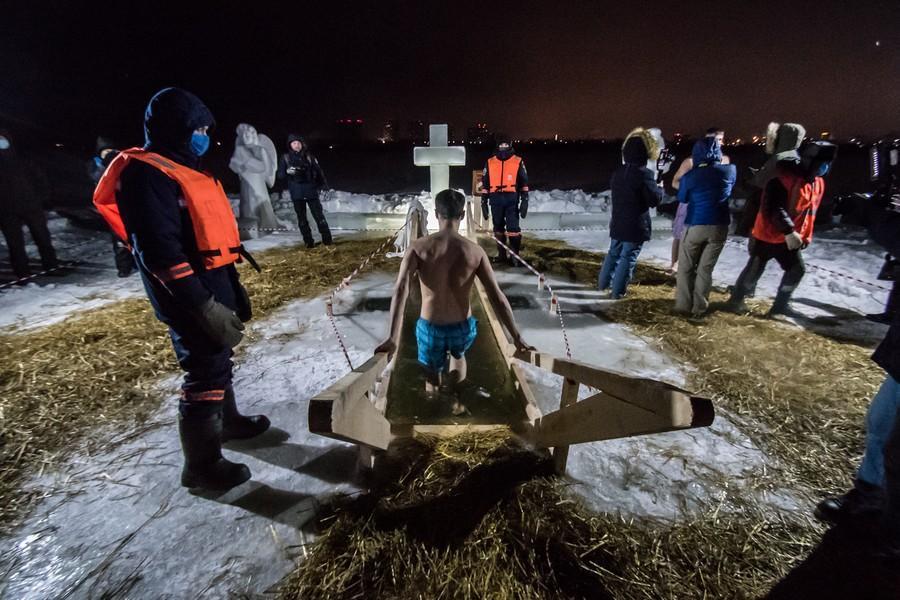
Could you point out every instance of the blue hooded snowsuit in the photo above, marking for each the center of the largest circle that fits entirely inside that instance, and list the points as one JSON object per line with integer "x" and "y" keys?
{"x": 707, "y": 187}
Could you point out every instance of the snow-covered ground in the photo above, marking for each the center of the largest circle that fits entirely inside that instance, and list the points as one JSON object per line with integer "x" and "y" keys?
{"x": 108, "y": 516}
{"x": 840, "y": 284}
{"x": 92, "y": 283}
{"x": 111, "y": 517}
{"x": 553, "y": 201}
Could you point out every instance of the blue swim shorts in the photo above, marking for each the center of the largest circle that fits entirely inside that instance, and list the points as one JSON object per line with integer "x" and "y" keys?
{"x": 435, "y": 341}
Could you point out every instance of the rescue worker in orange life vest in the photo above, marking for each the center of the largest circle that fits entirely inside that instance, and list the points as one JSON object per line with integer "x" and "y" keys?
{"x": 505, "y": 183}
{"x": 784, "y": 224}
{"x": 182, "y": 232}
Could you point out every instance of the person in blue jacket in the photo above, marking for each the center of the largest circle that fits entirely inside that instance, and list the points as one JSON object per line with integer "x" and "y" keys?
{"x": 203, "y": 307}
{"x": 634, "y": 192}
{"x": 705, "y": 189}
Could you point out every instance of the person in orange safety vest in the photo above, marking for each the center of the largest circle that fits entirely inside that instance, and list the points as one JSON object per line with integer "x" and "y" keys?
{"x": 784, "y": 225}
{"x": 182, "y": 232}
{"x": 505, "y": 183}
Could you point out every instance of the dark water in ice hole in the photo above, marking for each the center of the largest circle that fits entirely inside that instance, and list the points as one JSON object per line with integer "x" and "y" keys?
{"x": 489, "y": 391}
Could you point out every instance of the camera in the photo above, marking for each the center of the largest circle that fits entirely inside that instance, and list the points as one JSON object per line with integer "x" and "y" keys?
{"x": 664, "y": 162}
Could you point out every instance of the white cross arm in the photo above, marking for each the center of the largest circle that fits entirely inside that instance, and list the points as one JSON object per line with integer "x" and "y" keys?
{"x": 424, "y": 156}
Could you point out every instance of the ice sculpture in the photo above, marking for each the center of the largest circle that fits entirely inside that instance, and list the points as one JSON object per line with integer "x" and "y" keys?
{"x": 255, "y": 161}
{"x": 408, "y": 232}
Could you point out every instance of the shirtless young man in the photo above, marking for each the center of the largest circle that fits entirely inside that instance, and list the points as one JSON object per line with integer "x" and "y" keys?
{"x": 447, "y": 265}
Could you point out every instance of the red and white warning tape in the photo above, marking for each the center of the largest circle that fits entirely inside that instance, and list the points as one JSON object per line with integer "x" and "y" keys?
{"x": 345, "y": 283}
{"x": 743, "y": 244}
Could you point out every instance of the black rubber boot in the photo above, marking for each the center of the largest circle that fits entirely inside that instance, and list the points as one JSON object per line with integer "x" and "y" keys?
{"x": 737, "y": 305}
{"x": 236, "y": 426}
{"x": 782, "y": 306}
{"x": 515, "y": 242}
{"x": 501, "y": 251}
{"x": 204, "y": 465}
{"x": 864, "y": 498}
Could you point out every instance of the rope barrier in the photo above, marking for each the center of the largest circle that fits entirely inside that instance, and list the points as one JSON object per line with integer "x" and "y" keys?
{"x": 345, "y": 283}
{"x": 63, "y": 264}
{"x": 816, "y": 267}
{"x": 542, "y": 283}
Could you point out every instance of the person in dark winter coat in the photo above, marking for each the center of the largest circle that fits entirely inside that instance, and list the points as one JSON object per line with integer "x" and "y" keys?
{"x": 304, "y": 180}
{"x": 164, "y": 200}
{"x": 634, "y": 192}
{"x": 705, "y": 190}
{"x": 23, "y": 190}
{"x": 105, "y": 154}
{"x": 505, "y": 183}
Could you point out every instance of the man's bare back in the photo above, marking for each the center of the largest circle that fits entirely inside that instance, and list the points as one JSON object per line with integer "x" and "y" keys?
{"x": 447, "y": 264}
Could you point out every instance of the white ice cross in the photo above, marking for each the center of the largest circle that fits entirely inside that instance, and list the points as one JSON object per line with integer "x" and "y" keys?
{"x": 440, "y": 157}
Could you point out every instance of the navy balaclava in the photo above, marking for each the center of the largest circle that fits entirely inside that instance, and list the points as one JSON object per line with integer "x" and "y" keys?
{"x": 171, "y": 117}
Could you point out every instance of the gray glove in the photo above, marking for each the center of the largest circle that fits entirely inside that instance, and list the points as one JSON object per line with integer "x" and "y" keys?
{"x": 793, "y": 240}
{"x": 220, "y": 323}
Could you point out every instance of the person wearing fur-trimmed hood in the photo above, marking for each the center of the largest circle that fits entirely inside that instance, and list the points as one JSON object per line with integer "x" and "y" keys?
{"x": 784, "y": 225}
{"x": 634, "y": 192}
{"x": 782, "y": 145}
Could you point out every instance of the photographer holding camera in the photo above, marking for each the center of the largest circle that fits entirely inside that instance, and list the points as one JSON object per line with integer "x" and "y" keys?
{"x": 305, "y": 179}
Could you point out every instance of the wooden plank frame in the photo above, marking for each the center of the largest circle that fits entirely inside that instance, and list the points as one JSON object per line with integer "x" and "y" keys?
{"x": 353, "y": 408}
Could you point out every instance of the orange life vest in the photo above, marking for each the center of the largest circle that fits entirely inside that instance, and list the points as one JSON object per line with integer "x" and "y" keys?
{"x": 502, "y": 174}
{"x": 213, "y": 219}
{"x": 804, "y": 198}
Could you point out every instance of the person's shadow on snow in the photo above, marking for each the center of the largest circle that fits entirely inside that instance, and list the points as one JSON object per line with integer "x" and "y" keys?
{"x": 847, "y": 563}
{"x": 282, "y": 506}
{"x": 337, "y": 464}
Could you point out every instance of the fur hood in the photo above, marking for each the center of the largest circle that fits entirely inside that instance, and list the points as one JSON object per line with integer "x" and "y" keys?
{"x": 783, "y": 139}
{"x": 651, "y": 144}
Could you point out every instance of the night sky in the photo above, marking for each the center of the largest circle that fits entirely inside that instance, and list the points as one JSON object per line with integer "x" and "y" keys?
{"x": 76, "y": 69}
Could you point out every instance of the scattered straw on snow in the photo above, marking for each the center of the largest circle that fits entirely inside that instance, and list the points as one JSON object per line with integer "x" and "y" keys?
{"x": 63, "y": 384}
{"x": 477, "y": 515}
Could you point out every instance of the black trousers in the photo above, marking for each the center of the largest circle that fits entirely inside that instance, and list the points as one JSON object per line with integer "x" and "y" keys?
{"x": 505, "y": 217}
{"x": 207, "y": 364}
{"x": 315, "y": 207}
{"x": 12, "y": 224}
{"x": 760, "y": 255}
